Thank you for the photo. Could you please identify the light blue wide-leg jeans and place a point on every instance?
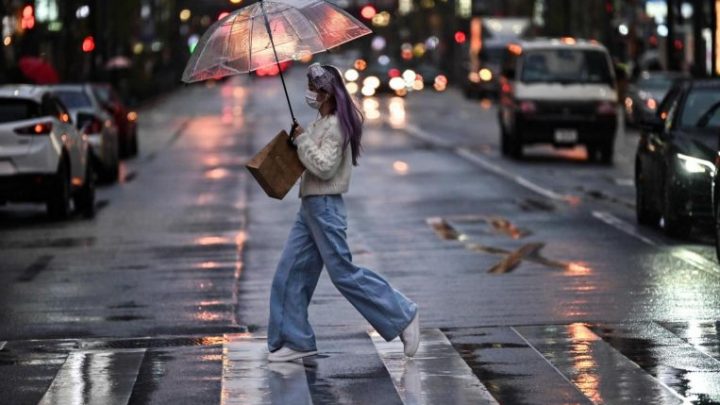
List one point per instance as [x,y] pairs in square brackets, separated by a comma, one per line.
[318,238]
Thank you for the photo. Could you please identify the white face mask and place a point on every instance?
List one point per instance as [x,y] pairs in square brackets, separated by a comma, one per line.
[311,98]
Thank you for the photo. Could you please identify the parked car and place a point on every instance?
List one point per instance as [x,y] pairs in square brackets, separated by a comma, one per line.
[644,96]
[43,157]
[94,121]
[125,118]
[675,160]
[561,92]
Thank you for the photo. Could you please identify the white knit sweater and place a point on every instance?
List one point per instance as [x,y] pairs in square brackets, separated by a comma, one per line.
[320,149]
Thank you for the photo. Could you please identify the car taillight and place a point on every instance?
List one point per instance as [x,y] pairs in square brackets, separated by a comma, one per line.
[527,107]
[43,128]
[606,108]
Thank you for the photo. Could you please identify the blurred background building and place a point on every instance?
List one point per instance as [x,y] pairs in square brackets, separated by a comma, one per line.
[141,45]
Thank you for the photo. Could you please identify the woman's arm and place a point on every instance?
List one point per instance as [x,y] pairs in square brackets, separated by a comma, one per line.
[322,160]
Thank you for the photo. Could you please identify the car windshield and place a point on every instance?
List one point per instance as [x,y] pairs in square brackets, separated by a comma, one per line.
[566,66]
[702,109]
[74,99]
[17,110]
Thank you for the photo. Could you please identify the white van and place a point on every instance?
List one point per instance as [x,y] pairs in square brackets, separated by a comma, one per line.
[561,92]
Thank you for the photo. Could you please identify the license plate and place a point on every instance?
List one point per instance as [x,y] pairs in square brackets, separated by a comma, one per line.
[6,168]
[566,135]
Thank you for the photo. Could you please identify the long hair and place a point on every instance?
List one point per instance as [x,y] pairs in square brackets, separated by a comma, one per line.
[348,113]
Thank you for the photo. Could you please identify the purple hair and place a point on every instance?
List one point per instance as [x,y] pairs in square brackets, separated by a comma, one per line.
[348,113]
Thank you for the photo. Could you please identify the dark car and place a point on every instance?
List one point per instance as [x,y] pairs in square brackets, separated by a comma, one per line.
[125,118]
[675,160]
[644,96]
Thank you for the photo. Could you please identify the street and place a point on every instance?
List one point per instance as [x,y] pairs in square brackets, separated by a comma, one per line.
[534,282]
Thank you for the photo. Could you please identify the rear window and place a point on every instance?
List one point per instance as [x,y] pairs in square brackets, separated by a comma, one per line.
[74,99]
[566,66]
[18,110]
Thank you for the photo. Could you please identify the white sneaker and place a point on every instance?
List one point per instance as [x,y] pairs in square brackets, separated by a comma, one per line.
[411,336]
[288,354]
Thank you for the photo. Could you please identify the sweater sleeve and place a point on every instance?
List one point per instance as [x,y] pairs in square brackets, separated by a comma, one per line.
[324,159]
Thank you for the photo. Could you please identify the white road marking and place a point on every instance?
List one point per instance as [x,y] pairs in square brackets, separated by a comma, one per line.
[693,259]
[582,358]
[95,377]
[248,378]
[436,373]
[478,160]
[625,227]
[2,345]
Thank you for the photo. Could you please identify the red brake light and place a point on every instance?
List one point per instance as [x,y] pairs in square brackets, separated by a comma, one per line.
[43,128]
[394,73]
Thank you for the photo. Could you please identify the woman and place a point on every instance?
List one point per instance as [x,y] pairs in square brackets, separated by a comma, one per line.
[328,149]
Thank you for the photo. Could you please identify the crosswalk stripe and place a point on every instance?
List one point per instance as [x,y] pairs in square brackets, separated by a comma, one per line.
[95,377]
[435,375]
[248,378]
[597,369]
[678,364]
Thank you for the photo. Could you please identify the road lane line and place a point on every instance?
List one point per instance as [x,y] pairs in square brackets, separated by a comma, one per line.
[476,159]
[595,367]
[2,345]
[688,256]
[248,378]
[435,374]
[95,377]
[522,181]
[623,226]
[669,352]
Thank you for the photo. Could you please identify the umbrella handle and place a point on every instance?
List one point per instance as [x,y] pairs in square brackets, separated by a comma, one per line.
[277,60]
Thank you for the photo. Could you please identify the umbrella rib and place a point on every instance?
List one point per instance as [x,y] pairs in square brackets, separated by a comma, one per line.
[250,49]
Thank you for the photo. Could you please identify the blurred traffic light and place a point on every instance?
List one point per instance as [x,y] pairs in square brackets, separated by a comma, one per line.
[28,17]
[88,44]
[368,12]
[460,37]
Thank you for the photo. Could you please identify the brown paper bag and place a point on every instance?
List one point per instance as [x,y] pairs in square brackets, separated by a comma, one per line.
[277,166]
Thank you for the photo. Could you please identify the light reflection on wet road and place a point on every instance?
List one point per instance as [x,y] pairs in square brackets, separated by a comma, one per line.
[535,284]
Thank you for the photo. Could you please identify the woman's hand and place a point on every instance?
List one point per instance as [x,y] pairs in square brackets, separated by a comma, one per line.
[297,131]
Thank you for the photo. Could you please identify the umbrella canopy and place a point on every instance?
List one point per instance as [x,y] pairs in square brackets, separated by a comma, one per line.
[240,42]
[38,70]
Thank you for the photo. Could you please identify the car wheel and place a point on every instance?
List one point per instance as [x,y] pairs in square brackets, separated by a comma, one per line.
[717,232]
[677,226]
[504,141]
[58,203]
[607,152]
[645,215]
[134,147]
[85,198]
[515,145]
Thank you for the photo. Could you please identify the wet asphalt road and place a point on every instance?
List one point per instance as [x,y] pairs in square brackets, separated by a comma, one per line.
[535,285]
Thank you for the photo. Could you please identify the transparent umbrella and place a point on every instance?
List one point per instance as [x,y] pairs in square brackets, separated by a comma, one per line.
[267,33]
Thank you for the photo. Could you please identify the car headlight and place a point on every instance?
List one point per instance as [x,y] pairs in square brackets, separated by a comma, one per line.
[694,165]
